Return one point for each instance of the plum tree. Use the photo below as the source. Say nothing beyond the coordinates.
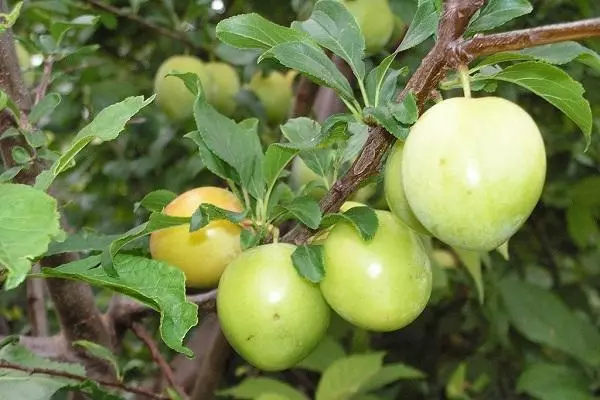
(376, 21)
(269, 314)
(222, 86)
(473, 169)
(274, 90)
(203, 254)
(172, 96)
(382, 284)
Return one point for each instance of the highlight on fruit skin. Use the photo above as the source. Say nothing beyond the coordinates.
(203, 254)
(376, 21)
(473, 170)
(172, 96)
(380, 285)
(270, 315)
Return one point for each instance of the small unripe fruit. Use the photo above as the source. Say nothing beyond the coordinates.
(274, 92)
(269, 314)
(473, 170)
(172, 96)
(379, 285)
(375, 19)
(223, 85)
(203, 254)
(25, 63)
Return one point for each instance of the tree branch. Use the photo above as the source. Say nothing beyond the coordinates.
(444, 55)
(305, 97)
(145, 337)
(36, 305)
(79, 378)
(481, 45)
(161, 30)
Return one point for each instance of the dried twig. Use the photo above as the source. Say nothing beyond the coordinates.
(79, 378)
(145, 337)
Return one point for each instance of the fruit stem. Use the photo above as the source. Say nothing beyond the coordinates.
(275, 235)
(463, 71)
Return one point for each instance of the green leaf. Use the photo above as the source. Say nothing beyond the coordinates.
(472, 261)
(107, 125)
(308, 261)
(252, 388)
(320, 161)
(542, 317)
(359, 132)
(423, 25)
(191, 81)
(157, 200)
(334, 27)
(81, 241)
(23, 385)
(457, 383)
(252, 31)
(101, 352)
(3, 100)
(29, 220)
(233, 143)
(328, 351)
(583, 212)
(154, 283)
(312, 61)
(10, 173)
(45, 107)
(35, 138)
(302, 133)
(8, 20)
(305, 209)
(276, 159)
(335, 128)
(376, 78)
(554, 382)
(20, 155)
(345, 376)
(383, 116)
(362, 218)
(249, 239)
(556, 87)
(407, 111)
(208, 212)
(214, 164)
(554, 53)
(389, 374)
(496, 13)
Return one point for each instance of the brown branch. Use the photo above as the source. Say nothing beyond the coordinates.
(305, 97)
(79, 378)
(481, 45)
(36, 305)
(212, 363)
(161, 30)
(445, 54)
(145, 337)
(45, 81)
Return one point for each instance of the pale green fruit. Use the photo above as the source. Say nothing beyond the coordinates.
(274, 92)
(25, 63)
(393, 188)
(172, 96)
(375, 19)
(378, 285)
(398, 31)
(270, 315)
(301, 175)
(222, 86)
(473, 170)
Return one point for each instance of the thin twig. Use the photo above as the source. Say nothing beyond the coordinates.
(145, 337)
(45, 81)
(80, 378)
(180, 36)
(36, 305)
(447, 51)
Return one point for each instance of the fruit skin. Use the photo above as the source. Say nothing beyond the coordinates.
(171, 94)
(393, 187)
(269, 314)
(381, 285)
(25, 63)
(375, 19)
(274, 90)
(222, 86)
(473, 170)
(203, 254)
